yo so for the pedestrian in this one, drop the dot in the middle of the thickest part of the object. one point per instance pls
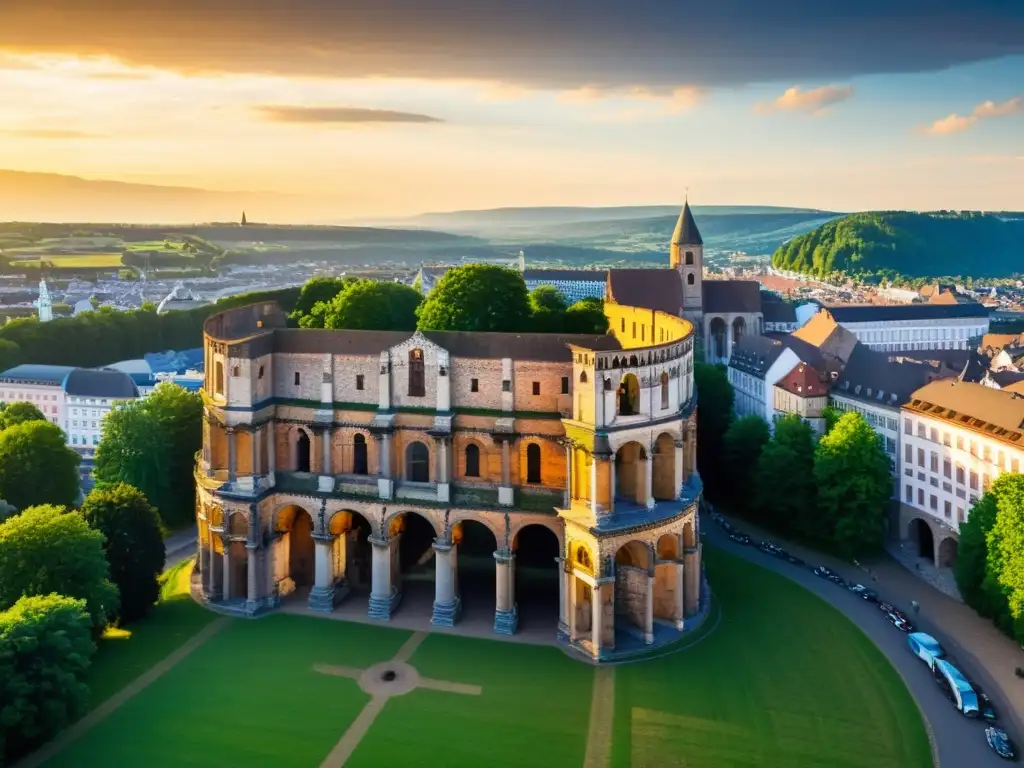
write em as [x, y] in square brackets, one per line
[915, 606]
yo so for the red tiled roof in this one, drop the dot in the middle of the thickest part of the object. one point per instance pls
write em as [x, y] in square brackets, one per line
[803, 381]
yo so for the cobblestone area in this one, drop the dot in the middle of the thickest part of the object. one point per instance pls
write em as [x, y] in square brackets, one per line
[922, 567]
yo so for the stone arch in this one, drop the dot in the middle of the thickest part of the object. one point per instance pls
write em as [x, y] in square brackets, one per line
[717, 332]
[633, 566]
[360, 455]
[739, 327]
[351, 550]
[668, 547]
[301, 446]
[633, 361]
[238, 524]
[629, 395]
[474, 565]
[631, 473]
[921, 534]
[293, 549]
[537, 574]
[634, 553]
[218, 378]
[416, 532]
[583, 377]
[417, 462]
[947, 552]
[663, 380]
[664, 484]
[472, 456]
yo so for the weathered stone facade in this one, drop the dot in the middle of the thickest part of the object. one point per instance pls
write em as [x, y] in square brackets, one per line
[321, 447]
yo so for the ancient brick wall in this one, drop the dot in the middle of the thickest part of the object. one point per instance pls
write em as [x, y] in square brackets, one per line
[488, 380]
[310, 369]
[348, 369]
[666, 591]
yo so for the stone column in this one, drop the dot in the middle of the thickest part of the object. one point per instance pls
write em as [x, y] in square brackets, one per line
[571, 607]
[596, 620]
[325, 482]
[211, 567]
[383, 596]
[728, 341]
[567, 493]
[506, 615]
[206, 446]
[252, 595]
[227, 569]
[385, 485]
[564, 575]
[271, 452]
[680, 609]
[691, 597]
[649, 480]
[593, 485]
[680, 464]
[649, 611]
[446, 605]
[232, 462]
[321, 596]
[611, 481]
[505, 495]
[443, 463]
[254, 451]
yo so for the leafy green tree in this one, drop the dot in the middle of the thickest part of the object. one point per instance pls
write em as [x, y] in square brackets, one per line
[547, 298]
[831, 416]
[972, 566]
[316, 290]
[586, 316]
[36, 467]
[46, 646]
[372, 305]
[714, 415]
[151, 444]
[18, 413]
[1006, 550]
[134, 545]
[743, 443]
[10, 354]
[477, 297]
[851, 470]
[784, 479]
[48, 550]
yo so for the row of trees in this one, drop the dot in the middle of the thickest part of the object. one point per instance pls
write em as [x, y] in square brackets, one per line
[833, 491]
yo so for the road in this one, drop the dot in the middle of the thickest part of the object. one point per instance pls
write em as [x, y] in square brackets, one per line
[179, 546]
[958, 741]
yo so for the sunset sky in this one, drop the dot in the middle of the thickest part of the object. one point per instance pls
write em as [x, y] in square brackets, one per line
[406, 106]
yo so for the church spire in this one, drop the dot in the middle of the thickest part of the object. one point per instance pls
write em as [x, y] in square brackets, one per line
[686, 232]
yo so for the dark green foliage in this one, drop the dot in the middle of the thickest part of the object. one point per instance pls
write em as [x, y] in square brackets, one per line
[1004, 575]
[17, 413]
[831, 416]
[48, 550]
[714, 415]
[134, 545]
[786, 494]
[46, 646]
[912, 245]
[316, 290]
[547, 298]
[854, 486]
[369, 305]
[586, 316]
[151, 444]
[477, 297]
[742, 446]
[971, 568]
[36, 467]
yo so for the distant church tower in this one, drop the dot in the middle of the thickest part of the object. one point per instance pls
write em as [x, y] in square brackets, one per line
[686, 254]
[522, 261]
[244, 222]
[44, 303]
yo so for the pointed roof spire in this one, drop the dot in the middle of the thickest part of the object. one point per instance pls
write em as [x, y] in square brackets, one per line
[686, 232]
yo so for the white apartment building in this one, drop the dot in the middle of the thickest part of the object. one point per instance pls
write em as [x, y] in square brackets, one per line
[957, 438]
[90, 395]
[757, 363]
[40, 385]
[902, 327]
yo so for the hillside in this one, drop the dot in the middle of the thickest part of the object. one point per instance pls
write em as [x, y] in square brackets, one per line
[890, 243]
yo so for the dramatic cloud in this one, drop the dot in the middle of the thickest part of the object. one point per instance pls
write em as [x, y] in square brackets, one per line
[954, 123]
[49, 133]
[660, 44]
[816, 101]
[341, 115]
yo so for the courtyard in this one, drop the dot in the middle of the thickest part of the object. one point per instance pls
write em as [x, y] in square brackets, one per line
[776, 677]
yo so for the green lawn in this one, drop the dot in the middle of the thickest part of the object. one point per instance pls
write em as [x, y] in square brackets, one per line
[74, 260]
[782, 680]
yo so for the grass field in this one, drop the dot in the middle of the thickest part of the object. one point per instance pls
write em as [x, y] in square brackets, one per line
[73, 260]
[782, 680]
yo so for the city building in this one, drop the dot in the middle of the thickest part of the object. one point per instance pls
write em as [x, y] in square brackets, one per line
[900, 327]
[957, 437]
[40, 385]
[803, 392]
[89, 396]
[335, 463]
[779, 316]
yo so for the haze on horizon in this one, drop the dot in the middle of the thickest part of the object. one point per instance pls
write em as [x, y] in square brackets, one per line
[309, 111]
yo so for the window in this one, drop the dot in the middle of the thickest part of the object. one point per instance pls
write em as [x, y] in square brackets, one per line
[987, 453]
[1002, 460]
[536, 388]
[74, 423]
[934, 464]
[642, 329]
[533, 463]
[947, 509]
[933, 501]
[1015, 465]
[360, 465]
[959, 443]
[417, 463]
[236, 371]
[946, 439]
[359, 381]
[890, 446]
[947, 468]
[908, 454]
[986, 482]
[417, 382]
[974, 480]
[259, 373]
[690, 279]
[623, 325]
[920, 457]
[910, 494]
[565, 384]
[934, 435]
[634, 330]
[960, 514]
[218, 378]
[921, 431]
[474, 385]
[689, 258]
[920, 497]
[664, 390]
[506, 385]
[472, 460]
[947, 487]
[959, 474]
[74, 411]
[297, 378]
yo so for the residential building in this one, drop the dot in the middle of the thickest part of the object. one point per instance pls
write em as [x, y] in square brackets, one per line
[90, 394]
[957, 438]
[757, 363]
[899, 327]
[803, 392]
[40, 385]
[779, 316]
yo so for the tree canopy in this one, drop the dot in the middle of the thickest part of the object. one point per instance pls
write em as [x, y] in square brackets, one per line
[134, 545]
[316, 290]
[743, 443]
[18, 413]
[854, 483]
[786, 492]
[477, 297]
[48, 550]
[977, 586]
[547, 298]
[36, 466]
[714, 415]
[151, 444]
[1005, 557]
[586, 316]
[370, 305]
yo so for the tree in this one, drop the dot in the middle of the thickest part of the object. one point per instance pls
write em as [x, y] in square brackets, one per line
[18, 413]
[36, 467]
[971, 565]
[714, 415]
[316, 290]
[586, 316]
[477, 297]
[831, 416]
[372, 305]
[1005, 555]
[742, 445]
[784, 479]
[134, 544]
[46, 550]
[151, 444]
[854, 482]
[547, 298]
[46, 646]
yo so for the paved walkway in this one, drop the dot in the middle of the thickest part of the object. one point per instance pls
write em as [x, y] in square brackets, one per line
[180, 546]
[602, 716]
[957, 740]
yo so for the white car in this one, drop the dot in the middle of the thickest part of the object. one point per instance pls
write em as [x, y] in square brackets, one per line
[925, 647]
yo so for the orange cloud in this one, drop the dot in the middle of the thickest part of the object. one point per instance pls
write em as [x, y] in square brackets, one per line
[815, 101]
[954, 123]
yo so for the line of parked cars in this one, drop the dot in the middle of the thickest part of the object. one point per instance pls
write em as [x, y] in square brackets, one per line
[966, 696]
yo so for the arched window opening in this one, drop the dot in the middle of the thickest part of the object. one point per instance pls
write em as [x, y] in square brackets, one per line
[417, 381]
[690, 279]
[664, 390]
[583, 377]
[218, 378]
[583, 558]
[302, 463]
[417, 463]
[533, 463]
[360, 465]
[689, 258]
[472, 460]
[629, 396]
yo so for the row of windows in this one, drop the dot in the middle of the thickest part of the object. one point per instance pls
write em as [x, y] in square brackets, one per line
[85, 440]
[872, 418]
[662, 336]
[15, 395]
[474, 385]
[917, 334]
[85, 424]
[933, 503]
[962, 444]
[94, 412]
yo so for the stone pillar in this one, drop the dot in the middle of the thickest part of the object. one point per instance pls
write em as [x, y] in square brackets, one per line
[211, 567]
[564, 576]
[680, 464]
[252, 589]
[611, 487]
[649, 480]
[728, 341]
[254, 451]
[691, 597]
[383, 596]
[271, 452]
[446, 604]
[226, 562]
[567, 493]
[593, 485]
[596, 620]
[385, 485]
[571, 607]
[232, 462]
[680, 610]
[443, 463]
[505, 495]
[321, 596]
[649, 611]
[506, 614]
[206, 446]
[325, 482]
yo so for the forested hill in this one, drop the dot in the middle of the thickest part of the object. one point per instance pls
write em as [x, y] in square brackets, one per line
[891, 243]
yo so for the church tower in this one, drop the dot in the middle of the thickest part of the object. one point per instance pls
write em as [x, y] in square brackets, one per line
[44, 304]
[686, 255]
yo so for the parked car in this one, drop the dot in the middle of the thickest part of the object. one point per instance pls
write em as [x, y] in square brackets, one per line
[739, 538]
[901, 622]
[823, 572]
[957, 688]
[988, 712]
[769, 548]
[863, 592]
[1000, 743]
[925, 647]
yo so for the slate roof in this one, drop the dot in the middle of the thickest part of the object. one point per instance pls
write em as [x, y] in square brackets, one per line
[686, 232]
[803, 381]
[880, 313]
[566, 275]
[995, 413]
[778, 311]
[89, 382]
[49, 375]
[755, 354]
[882, 377]
[658, 289]
[724, 296]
